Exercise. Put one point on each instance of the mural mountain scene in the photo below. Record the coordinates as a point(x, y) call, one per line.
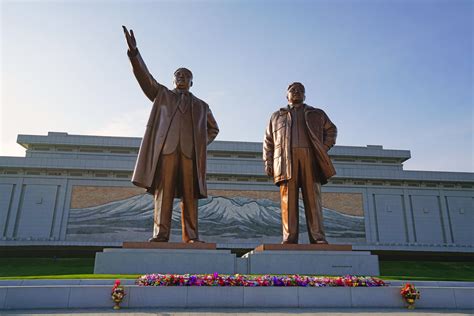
point(221, 219)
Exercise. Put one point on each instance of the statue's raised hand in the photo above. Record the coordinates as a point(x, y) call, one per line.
point(131, 41)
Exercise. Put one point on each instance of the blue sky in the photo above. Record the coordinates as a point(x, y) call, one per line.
point(392, 73)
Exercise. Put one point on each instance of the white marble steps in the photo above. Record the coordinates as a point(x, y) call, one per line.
point(64, 294)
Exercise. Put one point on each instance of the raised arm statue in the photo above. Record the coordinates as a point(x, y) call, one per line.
point(171, 162)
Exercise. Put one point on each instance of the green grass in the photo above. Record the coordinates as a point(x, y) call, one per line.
point(82, 268)
point(427, 270)
point(48, 268)
point(22, 267)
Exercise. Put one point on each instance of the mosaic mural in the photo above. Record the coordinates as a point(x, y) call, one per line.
point(126, 214)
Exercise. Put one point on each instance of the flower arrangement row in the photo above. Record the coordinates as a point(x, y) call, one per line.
point(256, 280)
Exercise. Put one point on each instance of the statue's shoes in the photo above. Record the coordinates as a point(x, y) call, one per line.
point(156, 239)
point(195, 241)
point(286, 242)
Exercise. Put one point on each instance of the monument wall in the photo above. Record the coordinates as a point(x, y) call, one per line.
point(76, 190)
point(226, 216)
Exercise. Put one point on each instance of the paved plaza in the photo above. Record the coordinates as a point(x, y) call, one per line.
point(248, 311)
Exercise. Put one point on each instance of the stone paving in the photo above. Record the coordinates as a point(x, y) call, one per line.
point(247, 311)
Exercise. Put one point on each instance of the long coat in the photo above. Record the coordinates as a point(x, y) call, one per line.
point(277, 143)
point(165, 104)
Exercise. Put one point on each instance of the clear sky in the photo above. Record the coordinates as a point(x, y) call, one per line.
point(393, 73)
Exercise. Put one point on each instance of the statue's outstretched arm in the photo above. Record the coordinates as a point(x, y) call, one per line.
point(148, 84)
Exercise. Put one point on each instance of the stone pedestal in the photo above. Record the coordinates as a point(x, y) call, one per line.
point(168, 245)
point(146, 258)
point(303, 247)
point(200, 258)
point(311, 259)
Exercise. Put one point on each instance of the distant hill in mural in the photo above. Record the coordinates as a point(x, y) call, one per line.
point(221, 219)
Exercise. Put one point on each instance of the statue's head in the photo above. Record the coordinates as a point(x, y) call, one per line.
point(295, 93)
point(183, 79)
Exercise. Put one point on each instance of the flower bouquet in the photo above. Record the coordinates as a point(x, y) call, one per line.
point(410, 294)
point(255, 280)
point(118, 293)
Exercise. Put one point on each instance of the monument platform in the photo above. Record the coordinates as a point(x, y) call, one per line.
point(86, 294)
point(163, 257)
point(200, 258)
point(300, 247)
point(315, 259)
point(167, 245)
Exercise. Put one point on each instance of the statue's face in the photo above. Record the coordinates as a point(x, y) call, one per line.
point(296, 94)
point(183, 80)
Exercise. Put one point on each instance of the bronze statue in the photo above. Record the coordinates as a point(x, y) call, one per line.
point(295, 148)
point(172, 158)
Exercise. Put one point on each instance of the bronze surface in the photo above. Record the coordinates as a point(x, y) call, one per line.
point(172, 158)
point(295, 148)
point(303, 177)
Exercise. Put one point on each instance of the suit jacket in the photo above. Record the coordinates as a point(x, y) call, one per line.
point(165, 105)
point(277, 143)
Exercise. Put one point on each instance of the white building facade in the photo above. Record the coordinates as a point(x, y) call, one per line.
point(76, 190)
